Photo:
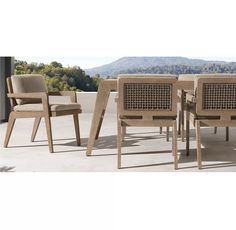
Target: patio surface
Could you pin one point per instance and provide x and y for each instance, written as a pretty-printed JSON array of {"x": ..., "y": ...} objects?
[{"x": 144, "y": 149}]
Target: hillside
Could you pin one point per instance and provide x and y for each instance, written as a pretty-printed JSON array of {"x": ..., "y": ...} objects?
[{"x": 129, "y": 63}]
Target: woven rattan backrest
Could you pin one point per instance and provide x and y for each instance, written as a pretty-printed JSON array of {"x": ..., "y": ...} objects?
[
  {"x": 216, "y": 96},
  {"x": 147, "y": 96}
]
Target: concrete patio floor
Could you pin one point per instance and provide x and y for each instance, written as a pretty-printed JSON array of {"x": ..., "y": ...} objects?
[{"x": 144, "y": 149}]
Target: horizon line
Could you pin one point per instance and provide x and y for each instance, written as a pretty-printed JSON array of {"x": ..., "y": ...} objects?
[{"x": 95, "y": 61}]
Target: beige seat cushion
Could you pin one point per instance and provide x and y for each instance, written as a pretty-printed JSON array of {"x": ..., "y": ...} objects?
[
  {"x": 30, "y": 83},
  {"x": 53, "y": 107}
]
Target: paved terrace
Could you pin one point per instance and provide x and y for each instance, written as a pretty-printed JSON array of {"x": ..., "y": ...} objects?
[{"x": 144, "y": 148}]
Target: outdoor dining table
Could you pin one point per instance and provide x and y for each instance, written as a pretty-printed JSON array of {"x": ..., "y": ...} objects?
[{"x": 104, "y": 90}]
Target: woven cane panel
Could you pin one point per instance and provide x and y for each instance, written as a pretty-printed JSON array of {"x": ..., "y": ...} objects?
[
  {"x": 143, "y": 96},
  {"x": 219, "y": 96}
]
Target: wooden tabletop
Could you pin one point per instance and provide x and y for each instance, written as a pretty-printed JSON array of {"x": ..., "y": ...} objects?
[{"x": 111, "y": 84}]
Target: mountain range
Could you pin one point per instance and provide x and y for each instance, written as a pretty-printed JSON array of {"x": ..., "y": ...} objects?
[{"x": 129, "y": 63}]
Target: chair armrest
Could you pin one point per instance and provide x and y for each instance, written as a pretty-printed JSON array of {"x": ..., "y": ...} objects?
[
  {"x": 71, "y": 94},
  {"x": 190, "y": 98},
  {"x": 41, "y": 95}
]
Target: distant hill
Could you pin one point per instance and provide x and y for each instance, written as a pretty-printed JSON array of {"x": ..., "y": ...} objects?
[{"x": 129, "y": 63}]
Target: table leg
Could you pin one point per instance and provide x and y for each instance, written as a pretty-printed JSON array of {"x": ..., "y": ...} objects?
[
  {"x": 179, "y": 121},
  {"x": 182, "y": 116},
  {"x": 100, "y": 124},
  {"x": 100, "y": 107}
]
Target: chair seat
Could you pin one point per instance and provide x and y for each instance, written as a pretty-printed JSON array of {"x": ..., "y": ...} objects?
[{"x": 53, "y": 107}]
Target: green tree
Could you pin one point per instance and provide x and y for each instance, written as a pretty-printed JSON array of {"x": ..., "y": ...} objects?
[{"x": 58, "y": 77}]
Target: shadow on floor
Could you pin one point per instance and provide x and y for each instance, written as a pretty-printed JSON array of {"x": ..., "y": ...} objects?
[
  {"x": 6, "y": 169},
  {"x": 148, "y": 165},
  {"x": 103, "y": 142},
  {"x": 214, "y": 149},
  {"x": 131, "y": 140},
  {"x": 216, "y": 152}
]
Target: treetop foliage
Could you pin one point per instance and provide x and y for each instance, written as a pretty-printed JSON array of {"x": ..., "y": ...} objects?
[
  {"x": 185, "y": 69},
  {"x": 59, "y": 78}
]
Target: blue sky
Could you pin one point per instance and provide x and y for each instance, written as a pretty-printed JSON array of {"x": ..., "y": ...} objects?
[{"x": 90, "y": 62}]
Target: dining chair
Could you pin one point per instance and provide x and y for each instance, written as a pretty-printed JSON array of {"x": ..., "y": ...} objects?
[
  {"x": 183, "y": 107},
  {"x": 182, "y": 104},
  {"x": 212, "y": 104},
  {"x": 147, "y": 100},
  {"x": 29, "y": 98}
]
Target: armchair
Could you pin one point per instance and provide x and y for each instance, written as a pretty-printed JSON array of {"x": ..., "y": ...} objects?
[
  {"x": 30, "y": 99},
  {"x": 212, "y": 104}
]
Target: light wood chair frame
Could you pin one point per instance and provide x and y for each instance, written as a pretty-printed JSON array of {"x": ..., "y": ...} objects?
[
  {"x": 201, "y": 117},
  {"x": 183, "y": 106},
  {"x": 38, "y": 115},
  {"x": 148, "y": 118}
]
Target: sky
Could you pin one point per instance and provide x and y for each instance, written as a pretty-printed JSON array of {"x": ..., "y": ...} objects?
[{"x": 90, "y": 62}]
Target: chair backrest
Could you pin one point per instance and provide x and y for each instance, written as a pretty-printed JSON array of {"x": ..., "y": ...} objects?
[
  {"x": 216, "y": 95},
  {"x": 147, "y": 96},
  {"x": 30, "y": 83}
]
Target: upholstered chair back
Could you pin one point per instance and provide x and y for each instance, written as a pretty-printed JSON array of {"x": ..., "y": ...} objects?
[{"x": 27, "y": 84}]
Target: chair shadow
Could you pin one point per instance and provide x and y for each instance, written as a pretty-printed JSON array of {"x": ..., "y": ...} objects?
[
  {"x": 211, "y": 151},
  {"x": 133, "y": 153},
  {"x": 7, "y": 168},
  {"x": 147, "y": 165},
  {"x": 103, "y": 142},
  {"x": 219, "y": 165},
  {"x": 59, "y": 139},
  {"x": 131, "y": 140},
  {"x": 71, "y": 144}
]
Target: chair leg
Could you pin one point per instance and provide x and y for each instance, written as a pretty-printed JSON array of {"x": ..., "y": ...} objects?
[
  {"x": 77, "y": 130},
  {"x": 99, "y": 126},
  {"x": 182, "y": 115},
  {"x": 10, "y": 126},
  {"x": 215, "y": 130},
  {"x": 123, "y": 132},
  {"x": 187, "y": 133},
  {"x": 49, "y": 133},
  {"x": 160, "y": 130},
  {"x": 35, "y": 128},
  {"x": 119, "y": 139},
  {"x": 198, "y": 137},
  {"x": 174, "y": 145},
  {"x": 227, "y": 134},
  {"x": 179, "y": 122},
  {"x": 182, "y": 127},
  {"x": 167, "y": 133}
]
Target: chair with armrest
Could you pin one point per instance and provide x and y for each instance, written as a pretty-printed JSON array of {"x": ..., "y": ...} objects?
[
  {"x": 29, "y": 98},
  {"x": 147, "y": 101},
  {"x": 213, "y": 104},
  {"x": 182, "y": 109}
]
